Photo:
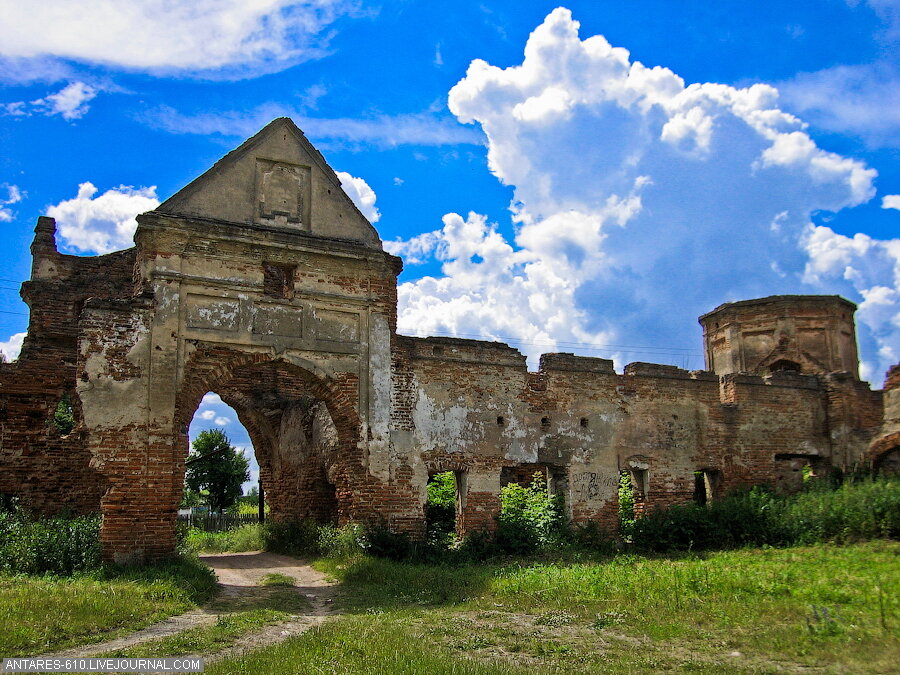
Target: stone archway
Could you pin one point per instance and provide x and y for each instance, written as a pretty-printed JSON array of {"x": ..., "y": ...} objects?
[
  {"x": 303, "y": 426},
  {"x": 286, "y": 409}
]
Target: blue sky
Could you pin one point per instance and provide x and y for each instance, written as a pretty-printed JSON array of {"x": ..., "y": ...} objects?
[{"x": 589, "y": 178}]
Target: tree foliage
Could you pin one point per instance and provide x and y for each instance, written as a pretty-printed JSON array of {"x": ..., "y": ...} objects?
[
  {"x": 440, "y": 507},
  {"x": 530, "y": 517},
  {"x": 218, "y": 476},
  {"x": 64, "y": 416}
]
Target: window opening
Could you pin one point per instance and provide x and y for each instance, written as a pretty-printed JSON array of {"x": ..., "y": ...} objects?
[
  {"x": 278, "y": 280},
  {"x": 785, "y": 366},
  {"x": 706, "y": 483},
  {"x": 64, "y": 416},
  {"x": 626, "y": 505}
]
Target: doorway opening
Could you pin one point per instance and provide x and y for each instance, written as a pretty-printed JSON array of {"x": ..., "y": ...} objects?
[
  {"x": 442, "y": 506},
  {"x": 706, "y": 483}
]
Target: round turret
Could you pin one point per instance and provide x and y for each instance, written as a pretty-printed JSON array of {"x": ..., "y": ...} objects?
[{"x": 808, "y": 334}]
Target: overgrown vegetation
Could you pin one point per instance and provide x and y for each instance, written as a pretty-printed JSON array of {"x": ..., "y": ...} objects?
[
  {"x": 440, "y": 509},
  {"x": 55, "y": 590},
  {"x": 530, "y": 517},
  {"x": 532, "y": 521},
  {"x": 856, "y": 510},
  {"x": 60, "y": 545},
  {"x": 626, "y": 505},
  {"x": 64, "y": 416},
  {"x": 822, "y": 609},
  {"x": 237, "y": 540}
]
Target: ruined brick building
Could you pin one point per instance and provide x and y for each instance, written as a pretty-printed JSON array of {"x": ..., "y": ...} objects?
[{"x": 262, "y": 282}]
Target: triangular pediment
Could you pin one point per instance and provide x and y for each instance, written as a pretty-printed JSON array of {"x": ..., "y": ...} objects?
[{"x": 277, "y": 179}]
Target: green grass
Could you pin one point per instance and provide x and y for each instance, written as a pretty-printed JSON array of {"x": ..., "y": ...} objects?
[
  {"x": 361, "y": 644},
  {"x": 39, "y": 614},
  {"x": 277, "y": 579},
  {"x": 831, "y": 608},
  {"x": 251, "y": 612},
  {"x": 238, "y": 540}
]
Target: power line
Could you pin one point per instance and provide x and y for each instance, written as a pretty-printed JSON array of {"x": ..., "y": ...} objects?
[{"x": 19, "y": 313}]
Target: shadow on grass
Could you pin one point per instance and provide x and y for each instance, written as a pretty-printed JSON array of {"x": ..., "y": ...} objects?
[
  {"x": 372, "y": 584},
  {"x": 184, "y": 573}
]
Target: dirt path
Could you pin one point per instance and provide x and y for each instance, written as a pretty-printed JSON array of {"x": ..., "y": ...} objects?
[{"x": 239, "y": 576}]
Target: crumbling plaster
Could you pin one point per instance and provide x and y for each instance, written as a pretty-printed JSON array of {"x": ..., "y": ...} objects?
[{"x": 261, "y": 281}]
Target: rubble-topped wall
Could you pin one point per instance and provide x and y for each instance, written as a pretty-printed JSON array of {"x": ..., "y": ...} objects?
[
  {"x": 51, "y": 472},
  {"x": 473, "y": 408}
]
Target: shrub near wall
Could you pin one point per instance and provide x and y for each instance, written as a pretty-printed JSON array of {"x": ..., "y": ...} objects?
[
  {"x": 854, "y": 511},
  {"x": 50, "y": 545}
]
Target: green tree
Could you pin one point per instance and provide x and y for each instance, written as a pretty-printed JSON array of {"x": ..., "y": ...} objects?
[
  {"x": 64, "y": 416},
  {"x": 216, "y": 470}
]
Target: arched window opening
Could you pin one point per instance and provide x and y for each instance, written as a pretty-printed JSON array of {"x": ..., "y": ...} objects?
[{"x": 785, "y": 366}]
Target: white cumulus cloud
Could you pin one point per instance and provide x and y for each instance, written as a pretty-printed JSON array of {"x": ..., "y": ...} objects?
[
  {"x": 13, "y": 196},
  {"x": 103, "y": 223},
  {"x": 222, "y": 421},
  {"x": 211, "y": 399},
  {"x": 161, "y": 37},
  {"x": 861, "y": 267},
  {"x": 890, "y": 202},
  {"x": 206, "y": 414},
  {"x": 640, "y": 202},
  {"x": 10, "y": 348},
  {"x": 361, "y": 194},
  {"x": 69, "y": 102}
]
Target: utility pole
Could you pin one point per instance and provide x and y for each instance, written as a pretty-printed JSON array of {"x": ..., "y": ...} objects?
[{"x": 262, "y": 503}]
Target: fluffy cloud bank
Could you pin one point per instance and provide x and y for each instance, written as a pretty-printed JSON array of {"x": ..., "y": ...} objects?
[
  {"x": 640, "y": 203},
  {"x": 362, "y": 195},
  {"x": 104, "y": 223},
  {"x": 162, "y": 37},
  {"x": 10, "y": 348}
]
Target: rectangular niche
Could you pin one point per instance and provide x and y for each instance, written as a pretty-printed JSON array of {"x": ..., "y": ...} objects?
[{"x": 283, "y": 194}]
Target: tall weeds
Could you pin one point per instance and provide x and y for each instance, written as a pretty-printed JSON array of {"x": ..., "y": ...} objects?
[
  {"x": 854, "y": 511},
  {"x": 61, "y": 545}
]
